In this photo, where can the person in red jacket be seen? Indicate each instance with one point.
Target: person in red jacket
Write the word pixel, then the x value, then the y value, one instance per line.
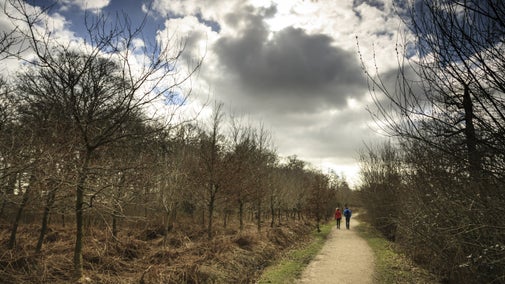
pixel 338 217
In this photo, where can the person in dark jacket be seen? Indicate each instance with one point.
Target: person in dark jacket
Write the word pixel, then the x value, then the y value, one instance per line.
pixel 347 215
pixel 338 217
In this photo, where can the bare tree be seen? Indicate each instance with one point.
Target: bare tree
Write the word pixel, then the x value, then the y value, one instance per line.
pixel 297 187
pixel 10 146
pixel 319 196
pixel 93 94
pixel 211 156
pixel 447 107
pixel 263 161
pixel 381 186
pixel 173 171
pixel 239 160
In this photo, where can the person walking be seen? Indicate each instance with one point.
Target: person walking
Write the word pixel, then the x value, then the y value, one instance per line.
pixel 338 217
pixel 347 215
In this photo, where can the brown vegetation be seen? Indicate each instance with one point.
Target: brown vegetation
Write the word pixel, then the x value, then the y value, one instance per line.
pixel 81 147
pixel 144 255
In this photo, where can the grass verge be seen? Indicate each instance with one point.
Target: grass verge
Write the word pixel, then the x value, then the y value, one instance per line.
pixel 390 265
pixel 290 267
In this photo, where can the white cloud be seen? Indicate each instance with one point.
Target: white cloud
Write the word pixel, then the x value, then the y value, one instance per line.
pixel 53 25
pixel 91 5
pixel 214 10
pixel 292 65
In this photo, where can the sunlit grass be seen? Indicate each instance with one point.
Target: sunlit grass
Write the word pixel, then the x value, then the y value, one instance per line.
pixel 291 266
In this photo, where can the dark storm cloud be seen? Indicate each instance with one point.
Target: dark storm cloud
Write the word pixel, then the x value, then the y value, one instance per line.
pixel 209 23
pixel 332 138
pixel 290 63
pixel 290 60
pixel 401 82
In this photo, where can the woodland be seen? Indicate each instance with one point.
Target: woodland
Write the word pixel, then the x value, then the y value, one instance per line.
pixel 95 188
pixel 436 189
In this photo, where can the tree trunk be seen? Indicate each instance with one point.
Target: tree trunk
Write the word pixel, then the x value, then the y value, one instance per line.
pixel 114 224
pixel 279 215
pixel 17 220
pixel 272 211
pixel 225 218
pixel 79 207
pixel 241 213
pixel 117 208
pixel 474 160
pixel 4 202
pixel 146 201
pixel 259 214
pixel 171 216
pixel 211 211
pixel 8 190
pixel 45 219
pixel 203 217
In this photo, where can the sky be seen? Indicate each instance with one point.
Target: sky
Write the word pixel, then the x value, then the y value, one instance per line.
pixel 292 66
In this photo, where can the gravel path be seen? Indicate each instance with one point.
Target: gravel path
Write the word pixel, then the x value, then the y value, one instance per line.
pixel 345 258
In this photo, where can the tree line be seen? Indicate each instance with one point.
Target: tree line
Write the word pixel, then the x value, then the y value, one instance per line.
pixel 79 146
pixel 438 187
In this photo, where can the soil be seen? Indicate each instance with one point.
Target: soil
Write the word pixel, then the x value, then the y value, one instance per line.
pixel 345 258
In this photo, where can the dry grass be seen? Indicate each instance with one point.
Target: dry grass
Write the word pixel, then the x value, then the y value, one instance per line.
pixel 145 256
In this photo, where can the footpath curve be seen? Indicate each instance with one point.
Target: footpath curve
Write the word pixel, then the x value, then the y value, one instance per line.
pixel 344 258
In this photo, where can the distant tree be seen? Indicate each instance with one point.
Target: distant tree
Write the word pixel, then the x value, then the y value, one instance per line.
pixel 242 151
pixel 173 173
pixel 262 162
pixel 20 161
pixel 318 196
pixel 381 186
pixel 298 197
pixel 54 174
pixel 10 146
pixel 275 193
pixel 26 192
pixel 341 190
pixel 211 167
pixel 124 167
pixel 282 193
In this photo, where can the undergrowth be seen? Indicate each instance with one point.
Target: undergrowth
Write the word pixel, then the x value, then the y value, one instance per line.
pixel 145 256
pixel 390 265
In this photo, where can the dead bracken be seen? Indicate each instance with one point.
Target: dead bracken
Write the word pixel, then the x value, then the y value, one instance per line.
pixel 231 256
